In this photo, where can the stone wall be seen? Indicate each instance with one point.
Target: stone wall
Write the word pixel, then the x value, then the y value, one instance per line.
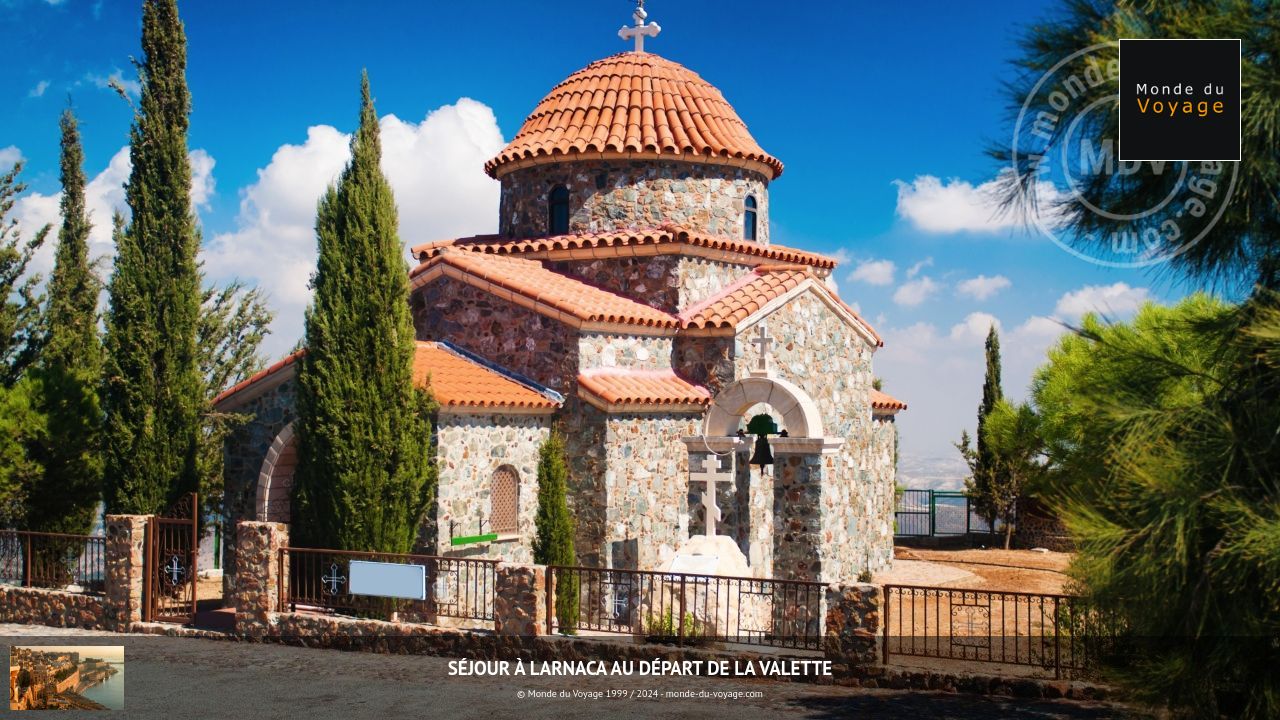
pixel 706 361
pixel 125 569
pixel 634 352
pixel 700 278
pixel 799 548
pixel 853 623
pixel 857 490
pixel 245 448
pixel 471 449
pixel 652 280
pixel 608 195
pixel 520 600
pixel 257 590
pixel 1038 531
pixel 55 608
pixel 520 340
pixel 646 485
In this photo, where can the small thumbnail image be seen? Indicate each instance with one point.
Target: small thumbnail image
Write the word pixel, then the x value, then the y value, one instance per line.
pixel 66 677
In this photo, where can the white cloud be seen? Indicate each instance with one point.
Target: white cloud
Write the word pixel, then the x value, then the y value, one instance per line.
pixel 983 287
pixel 974 327
pixel 104 195
pixel 915 292
pixel 435 168
pixel 915 269
pixel 939 373
pixel 202 182
pixel 104 82
pixel 955 205
pixel 874 272
pixel 1107 300
pixel 8 157
pixel 38 90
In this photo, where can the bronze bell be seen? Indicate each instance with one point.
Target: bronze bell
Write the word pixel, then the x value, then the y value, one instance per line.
pixel 762 455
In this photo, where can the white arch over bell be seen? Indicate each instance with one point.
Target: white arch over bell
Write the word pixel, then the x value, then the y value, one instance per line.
pixel 800 416
pixel 266 473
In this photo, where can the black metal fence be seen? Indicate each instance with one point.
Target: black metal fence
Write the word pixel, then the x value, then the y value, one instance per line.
pixel 319 580
pixel 1057 633
pixel 53 560
pixel 927 513
pixel 690 609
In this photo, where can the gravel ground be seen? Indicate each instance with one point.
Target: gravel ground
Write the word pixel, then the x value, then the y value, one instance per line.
pixel 180 678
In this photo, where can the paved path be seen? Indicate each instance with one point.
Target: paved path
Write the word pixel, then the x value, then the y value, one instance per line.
pixel 177 678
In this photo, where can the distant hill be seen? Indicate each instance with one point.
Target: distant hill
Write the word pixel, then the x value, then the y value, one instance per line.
pixel 932 473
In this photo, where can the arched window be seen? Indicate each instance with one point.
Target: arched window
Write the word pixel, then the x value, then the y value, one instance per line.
pixel 558 211
pixel 504 496
pixel 749 218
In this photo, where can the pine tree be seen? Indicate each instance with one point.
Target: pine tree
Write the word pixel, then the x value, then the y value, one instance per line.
pixel 365 477
pixel 66 491
pixel 152 390
pixel 984 483
pixel 553 543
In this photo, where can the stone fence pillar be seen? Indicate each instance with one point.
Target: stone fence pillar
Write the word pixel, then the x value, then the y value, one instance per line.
pixel 123 564
pixel 853 624
pixel 257 588
pixel 520 599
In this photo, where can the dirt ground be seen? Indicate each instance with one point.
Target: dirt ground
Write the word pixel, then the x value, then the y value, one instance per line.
pixel 982 569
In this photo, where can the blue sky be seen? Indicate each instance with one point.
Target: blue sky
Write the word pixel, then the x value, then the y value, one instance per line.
pixel 881 113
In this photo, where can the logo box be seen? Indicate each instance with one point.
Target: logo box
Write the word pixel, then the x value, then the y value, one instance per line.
pixel 1179 100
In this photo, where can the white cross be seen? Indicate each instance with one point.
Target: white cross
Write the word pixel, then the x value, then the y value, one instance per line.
pixel 174 570
pixel 710 477
pixel 641 30
pixel 333 579
pixel 763 344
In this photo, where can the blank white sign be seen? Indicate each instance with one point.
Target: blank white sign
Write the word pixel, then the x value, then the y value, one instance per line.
pixel 394 580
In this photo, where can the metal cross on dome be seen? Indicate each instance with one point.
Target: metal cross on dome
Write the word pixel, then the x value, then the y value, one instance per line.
pixel 641 30
pixel 174 571
pixel 333 579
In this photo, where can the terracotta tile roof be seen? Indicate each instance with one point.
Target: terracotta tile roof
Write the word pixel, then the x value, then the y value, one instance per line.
pixel 744 297
pixel 269 372
pixel 637 104
pixel 670 239
pixel 457 380
pixel 620 389
pixel 551 293
pixel 750 293
pixel 885 401
pixel 460 382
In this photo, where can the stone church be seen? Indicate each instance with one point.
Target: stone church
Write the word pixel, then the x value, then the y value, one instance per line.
pixel 633 299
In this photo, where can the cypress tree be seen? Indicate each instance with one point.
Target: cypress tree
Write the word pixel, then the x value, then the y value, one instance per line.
pixel 985 464
pixel 365 477
pixel 64 494
pixel 553 542
pixel 20 316
pixel 152 390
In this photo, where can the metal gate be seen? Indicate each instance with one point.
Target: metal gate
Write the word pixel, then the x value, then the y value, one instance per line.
pixel 169 585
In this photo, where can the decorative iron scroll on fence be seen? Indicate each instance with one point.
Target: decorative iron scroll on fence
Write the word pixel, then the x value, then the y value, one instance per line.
pixel 319 580
pixel 53 560
pixel 927 513
pixel 1057 633
pixel 690 609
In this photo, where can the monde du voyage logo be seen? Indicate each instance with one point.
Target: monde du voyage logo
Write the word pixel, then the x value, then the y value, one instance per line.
pixel 1179 100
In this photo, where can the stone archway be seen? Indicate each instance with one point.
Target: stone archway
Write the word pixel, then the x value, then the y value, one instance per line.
pixel 776 519
pixel 800 414
pixel 275 479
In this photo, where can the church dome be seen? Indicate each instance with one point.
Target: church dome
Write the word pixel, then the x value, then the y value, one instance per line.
pixel 634 105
